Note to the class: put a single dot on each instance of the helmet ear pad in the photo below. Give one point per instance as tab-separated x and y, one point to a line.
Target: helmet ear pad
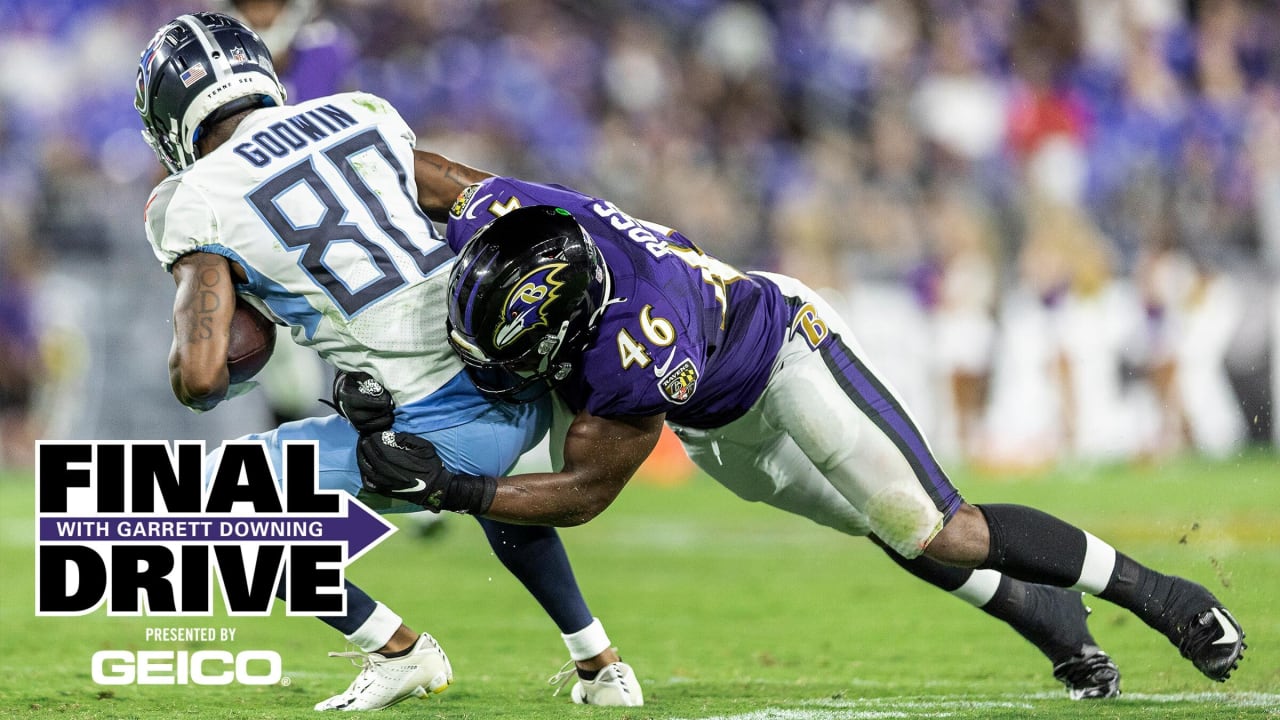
524	296
194	66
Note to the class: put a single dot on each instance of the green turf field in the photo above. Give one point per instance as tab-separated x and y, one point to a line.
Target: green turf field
727	610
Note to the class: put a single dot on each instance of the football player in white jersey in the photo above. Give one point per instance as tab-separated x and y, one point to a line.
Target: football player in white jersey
309	213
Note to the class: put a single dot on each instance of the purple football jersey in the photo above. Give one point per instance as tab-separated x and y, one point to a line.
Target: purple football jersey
684	334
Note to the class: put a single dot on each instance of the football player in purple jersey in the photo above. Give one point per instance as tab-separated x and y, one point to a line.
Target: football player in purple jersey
633	325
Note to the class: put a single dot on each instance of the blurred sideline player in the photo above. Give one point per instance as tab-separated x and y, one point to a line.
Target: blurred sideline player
312	54
309	213
633	325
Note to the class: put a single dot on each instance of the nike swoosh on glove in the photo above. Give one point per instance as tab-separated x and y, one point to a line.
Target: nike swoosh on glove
407	467
402	466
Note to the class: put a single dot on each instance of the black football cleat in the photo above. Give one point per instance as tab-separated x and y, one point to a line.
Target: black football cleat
1214	643
1089	675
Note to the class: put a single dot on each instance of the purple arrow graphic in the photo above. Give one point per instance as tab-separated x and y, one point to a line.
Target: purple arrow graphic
363	529
358	527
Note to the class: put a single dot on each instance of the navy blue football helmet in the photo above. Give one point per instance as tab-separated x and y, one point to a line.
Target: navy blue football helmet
525	296
197	70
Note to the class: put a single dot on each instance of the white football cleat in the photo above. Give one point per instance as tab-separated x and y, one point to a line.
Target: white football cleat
614	685
384	681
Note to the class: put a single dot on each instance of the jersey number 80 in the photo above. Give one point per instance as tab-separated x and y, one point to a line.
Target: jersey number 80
330	228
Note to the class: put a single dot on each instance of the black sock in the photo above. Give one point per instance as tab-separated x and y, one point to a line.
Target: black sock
1036	547
399	653
1165	602
1052	619
1033	546
587	675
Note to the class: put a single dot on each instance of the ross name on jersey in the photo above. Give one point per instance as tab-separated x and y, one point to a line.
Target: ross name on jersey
636	231
294	133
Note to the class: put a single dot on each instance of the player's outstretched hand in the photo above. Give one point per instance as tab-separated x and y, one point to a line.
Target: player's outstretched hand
407	467
363	401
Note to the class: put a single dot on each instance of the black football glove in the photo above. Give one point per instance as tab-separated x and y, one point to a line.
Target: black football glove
406	467
363	401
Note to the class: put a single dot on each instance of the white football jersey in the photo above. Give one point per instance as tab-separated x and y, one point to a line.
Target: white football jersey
317	202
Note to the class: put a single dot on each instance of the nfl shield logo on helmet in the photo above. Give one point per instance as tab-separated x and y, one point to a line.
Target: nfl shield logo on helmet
679	384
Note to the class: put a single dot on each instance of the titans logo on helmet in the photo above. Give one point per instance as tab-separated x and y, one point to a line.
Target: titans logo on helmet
143	102
526	306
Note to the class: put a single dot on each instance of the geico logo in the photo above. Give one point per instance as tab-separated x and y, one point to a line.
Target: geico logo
203	667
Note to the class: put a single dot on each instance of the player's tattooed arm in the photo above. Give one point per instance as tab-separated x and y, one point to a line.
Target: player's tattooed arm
600	456
202	310
439	181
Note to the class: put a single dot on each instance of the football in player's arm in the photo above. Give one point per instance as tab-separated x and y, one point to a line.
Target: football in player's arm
632	325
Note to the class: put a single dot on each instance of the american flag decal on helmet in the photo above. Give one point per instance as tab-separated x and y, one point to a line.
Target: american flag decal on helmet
192	74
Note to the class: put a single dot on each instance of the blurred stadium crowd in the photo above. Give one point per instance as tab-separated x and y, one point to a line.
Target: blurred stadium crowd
1055	224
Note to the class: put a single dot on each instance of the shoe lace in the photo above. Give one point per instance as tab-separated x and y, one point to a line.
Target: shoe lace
359	658
566	673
